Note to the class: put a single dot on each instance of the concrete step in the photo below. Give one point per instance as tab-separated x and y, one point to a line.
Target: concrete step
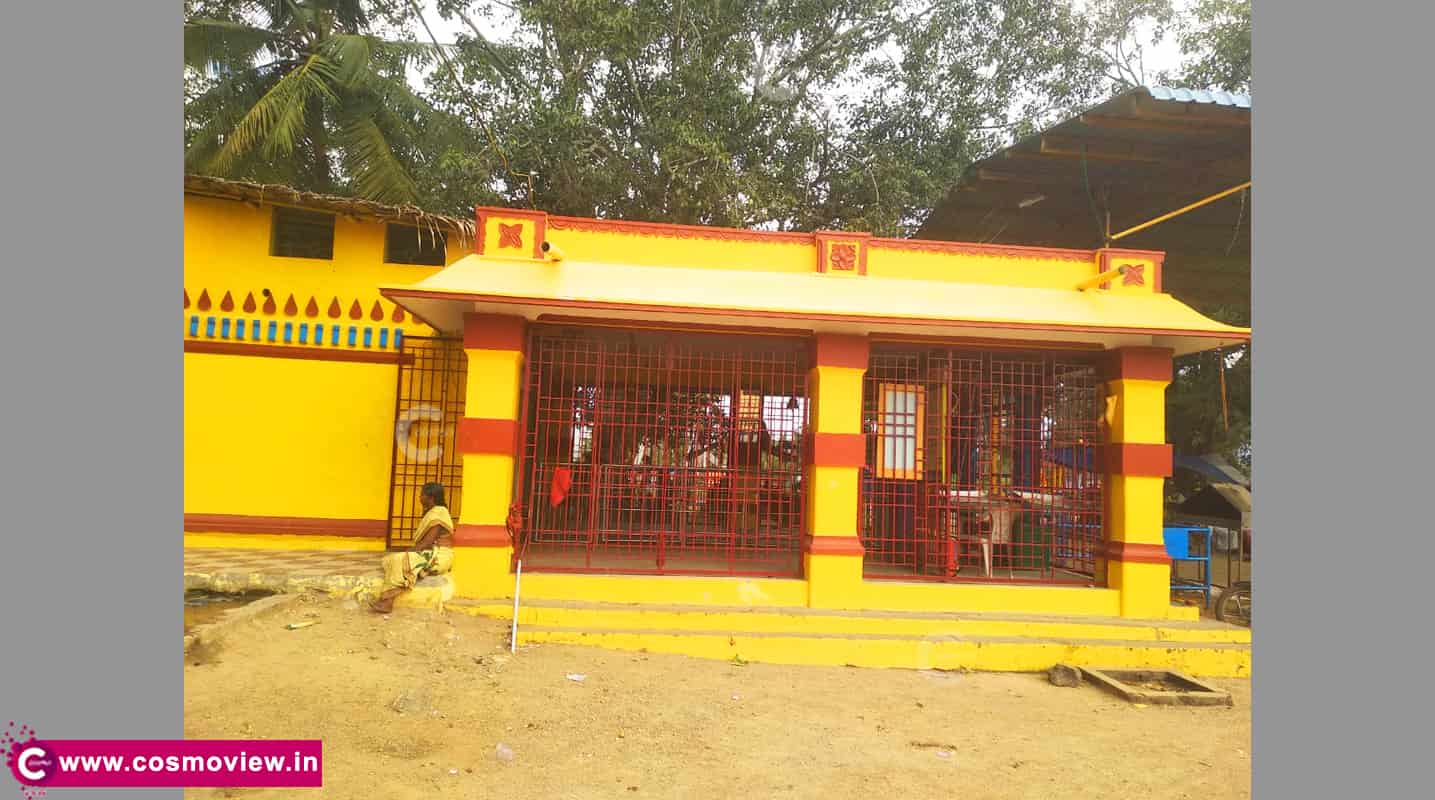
913	640
612	616
947	652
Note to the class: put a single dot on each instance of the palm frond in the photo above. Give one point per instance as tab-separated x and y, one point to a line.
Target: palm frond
376	172
350	55
276	122
214	45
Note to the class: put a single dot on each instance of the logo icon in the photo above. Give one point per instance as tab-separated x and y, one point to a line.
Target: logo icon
30	760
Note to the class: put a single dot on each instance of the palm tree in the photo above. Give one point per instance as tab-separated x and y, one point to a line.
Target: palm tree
300	92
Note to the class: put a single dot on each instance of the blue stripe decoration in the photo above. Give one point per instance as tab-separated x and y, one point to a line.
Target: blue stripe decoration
219	327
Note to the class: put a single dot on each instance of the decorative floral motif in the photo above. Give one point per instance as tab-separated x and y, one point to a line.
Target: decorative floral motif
1135	275
844	257
510	235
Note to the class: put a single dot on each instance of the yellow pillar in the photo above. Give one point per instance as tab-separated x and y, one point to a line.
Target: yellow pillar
832	550
488	439
1137	463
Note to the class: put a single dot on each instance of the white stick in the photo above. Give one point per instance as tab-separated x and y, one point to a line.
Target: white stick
513	635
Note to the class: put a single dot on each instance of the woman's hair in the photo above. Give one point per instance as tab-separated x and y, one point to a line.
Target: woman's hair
434	491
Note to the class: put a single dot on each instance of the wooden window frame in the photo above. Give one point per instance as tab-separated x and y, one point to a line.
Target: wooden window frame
422	234
274	227
884	470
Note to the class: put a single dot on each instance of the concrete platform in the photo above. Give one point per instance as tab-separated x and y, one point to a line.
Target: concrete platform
911	640
334	572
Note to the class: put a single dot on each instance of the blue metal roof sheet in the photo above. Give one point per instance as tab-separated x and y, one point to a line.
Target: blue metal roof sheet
1178	95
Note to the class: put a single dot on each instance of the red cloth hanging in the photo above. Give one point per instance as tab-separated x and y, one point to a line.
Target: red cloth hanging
562	482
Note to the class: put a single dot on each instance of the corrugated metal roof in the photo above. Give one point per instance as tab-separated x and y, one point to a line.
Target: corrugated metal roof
1178	95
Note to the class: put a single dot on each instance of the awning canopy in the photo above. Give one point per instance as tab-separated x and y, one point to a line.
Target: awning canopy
1141	154
812	302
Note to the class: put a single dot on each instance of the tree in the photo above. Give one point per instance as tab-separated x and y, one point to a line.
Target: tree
303	92
793	116
1216	40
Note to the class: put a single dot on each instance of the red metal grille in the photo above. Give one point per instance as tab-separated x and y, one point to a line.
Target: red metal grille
656	451
981	466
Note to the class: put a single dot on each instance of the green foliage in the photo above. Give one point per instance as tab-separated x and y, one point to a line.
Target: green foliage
850	114
1216	40
285	90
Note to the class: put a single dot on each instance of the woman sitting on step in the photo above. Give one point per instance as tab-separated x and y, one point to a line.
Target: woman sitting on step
431	554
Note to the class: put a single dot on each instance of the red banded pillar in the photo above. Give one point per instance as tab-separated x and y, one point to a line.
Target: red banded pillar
1137	464
488	439
832	549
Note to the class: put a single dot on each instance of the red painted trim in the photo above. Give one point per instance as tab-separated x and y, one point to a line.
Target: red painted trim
538	218
481	536
1133	553
973	249
490	436
833	546
1138	460
836	350
871	319
494	332
287	351
825	241
296	526
671	231
1157	258
839	450
1141	363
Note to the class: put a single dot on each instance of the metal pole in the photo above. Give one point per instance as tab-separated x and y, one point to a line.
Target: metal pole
1178	212
513	632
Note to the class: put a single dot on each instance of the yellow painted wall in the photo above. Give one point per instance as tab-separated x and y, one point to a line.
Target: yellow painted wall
226	249
1034	271
692	252
287	437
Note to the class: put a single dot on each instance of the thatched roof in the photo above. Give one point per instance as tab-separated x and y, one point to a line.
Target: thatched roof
277	194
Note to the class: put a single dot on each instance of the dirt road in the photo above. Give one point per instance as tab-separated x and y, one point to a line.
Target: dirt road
659	726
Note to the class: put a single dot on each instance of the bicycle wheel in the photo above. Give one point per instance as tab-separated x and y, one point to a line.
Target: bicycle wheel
1235	604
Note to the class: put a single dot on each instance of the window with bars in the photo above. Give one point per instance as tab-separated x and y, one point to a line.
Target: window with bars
409	244
302	234
655	451
981	465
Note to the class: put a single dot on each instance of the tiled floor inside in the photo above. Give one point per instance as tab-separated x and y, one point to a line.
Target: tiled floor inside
297	563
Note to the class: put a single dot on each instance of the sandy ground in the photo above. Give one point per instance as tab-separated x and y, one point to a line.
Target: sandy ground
643	725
